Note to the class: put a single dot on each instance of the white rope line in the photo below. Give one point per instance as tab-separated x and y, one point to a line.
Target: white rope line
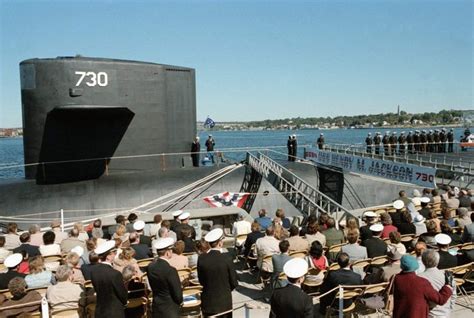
192	191
209	177
223	150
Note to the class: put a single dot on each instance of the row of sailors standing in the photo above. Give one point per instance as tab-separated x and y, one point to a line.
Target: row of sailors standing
437	141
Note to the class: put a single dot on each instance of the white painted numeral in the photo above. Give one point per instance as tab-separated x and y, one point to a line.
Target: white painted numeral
92	78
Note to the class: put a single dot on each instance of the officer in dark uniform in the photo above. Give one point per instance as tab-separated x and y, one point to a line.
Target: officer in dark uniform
377	141
320	141
164	282
416	141
423	141
442	141
386	143
195	149
294	144
369	142
393	143
289	145
429	140
401	143
217	276
450	140
410	142
436	141
108	284
291	301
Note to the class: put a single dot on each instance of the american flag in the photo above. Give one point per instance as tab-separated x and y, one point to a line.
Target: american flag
227	199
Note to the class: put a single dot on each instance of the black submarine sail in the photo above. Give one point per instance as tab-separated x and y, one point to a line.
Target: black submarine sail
79	112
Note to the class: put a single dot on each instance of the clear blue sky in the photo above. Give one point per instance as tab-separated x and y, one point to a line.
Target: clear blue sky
262	59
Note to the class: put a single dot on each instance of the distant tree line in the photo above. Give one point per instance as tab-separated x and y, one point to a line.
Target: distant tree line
444	117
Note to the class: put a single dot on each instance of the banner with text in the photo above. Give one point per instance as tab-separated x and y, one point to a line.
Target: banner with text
396	171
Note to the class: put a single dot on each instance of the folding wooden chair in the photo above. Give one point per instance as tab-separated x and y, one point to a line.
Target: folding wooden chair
379	260
299	254
349	293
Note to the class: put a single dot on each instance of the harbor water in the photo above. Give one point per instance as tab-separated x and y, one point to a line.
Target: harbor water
11	149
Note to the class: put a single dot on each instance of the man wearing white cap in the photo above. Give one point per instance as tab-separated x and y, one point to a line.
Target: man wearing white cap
175	222
108	283
12	262
446	260
369	218
184	224
217	276
375	246
139	226
320	141
425	210
164	281
420	225
291	301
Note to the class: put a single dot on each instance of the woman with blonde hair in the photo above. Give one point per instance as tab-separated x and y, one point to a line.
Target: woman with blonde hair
279	232
121	233
39	276
351	225
126	258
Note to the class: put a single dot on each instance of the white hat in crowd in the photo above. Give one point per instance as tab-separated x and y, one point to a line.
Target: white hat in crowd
184	216
13	260
163	243
425	200
419	218
214	235
139	225
105	247
416	201
376	227
442	239
398	204
79	250
177	213
416	193
370	214
295	268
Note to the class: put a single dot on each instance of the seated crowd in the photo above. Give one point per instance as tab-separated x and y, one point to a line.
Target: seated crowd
425	225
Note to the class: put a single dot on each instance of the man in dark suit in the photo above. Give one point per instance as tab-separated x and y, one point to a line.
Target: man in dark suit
446	260
31	250
291	301
342	276
142	251
217	276
252	238
375	246
164	282
12	262
108	284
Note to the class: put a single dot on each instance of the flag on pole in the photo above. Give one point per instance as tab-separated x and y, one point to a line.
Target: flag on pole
227	199
209	122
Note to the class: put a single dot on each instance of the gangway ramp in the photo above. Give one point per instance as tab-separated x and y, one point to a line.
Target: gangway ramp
304	197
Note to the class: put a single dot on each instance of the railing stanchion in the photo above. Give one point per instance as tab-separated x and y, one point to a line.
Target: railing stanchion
341	302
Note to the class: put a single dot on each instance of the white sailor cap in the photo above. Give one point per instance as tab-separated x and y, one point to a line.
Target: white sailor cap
214	235
177	213
369	134
295	268
442	239
425	200
105	247
184	216
13	260
376	227
163	243
402	133
394	132
370	214
419	218
321	134
416	201
79	250
139	225
398	204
